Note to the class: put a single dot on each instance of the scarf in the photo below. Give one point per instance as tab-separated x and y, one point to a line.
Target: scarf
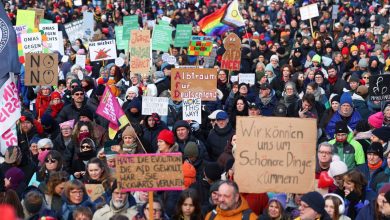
131	148
332	80
290	99
317	94
375	166
266	100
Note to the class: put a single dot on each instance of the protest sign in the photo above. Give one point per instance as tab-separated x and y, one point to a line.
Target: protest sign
183	35
335	10
88	23
192	110
120	43
210	60
248	78
22	29
51	32
149	172
231	59
9	105
9	138
102	50
26	17
45	21
309	11
140	51
151	24
60	43
39	14
75	30
379	89
194	83
162	38
279	152
94	191
41	69
200	46
31	42
129	23
234	79
80	60
157	105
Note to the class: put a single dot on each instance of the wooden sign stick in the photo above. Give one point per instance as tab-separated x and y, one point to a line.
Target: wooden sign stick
311	28
151	212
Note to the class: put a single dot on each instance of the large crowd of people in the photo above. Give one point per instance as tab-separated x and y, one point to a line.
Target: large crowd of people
318	68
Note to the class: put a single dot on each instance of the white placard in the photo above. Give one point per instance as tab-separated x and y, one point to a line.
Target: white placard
119	61
309	11
51	32
61	43
80	60
335	10
157	105
171	60
248	78
192	109
32	42
166	19
102	50
234	79
88	23
22	29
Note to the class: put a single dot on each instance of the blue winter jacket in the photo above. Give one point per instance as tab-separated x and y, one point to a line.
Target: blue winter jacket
330	128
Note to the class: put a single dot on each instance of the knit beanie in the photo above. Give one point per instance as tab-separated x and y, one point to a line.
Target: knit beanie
189	173
385	188
215	186
335	98
167	136
346	98
133	89
191	150
281	198
55	95
362	126
341	127
34	140
33	202
315	201
181	123
212	171
15	175
129	131
382	133
42	155
316	58
376	120
363	63
311	54
274	57
345	51
354	48
269	68
375	148
69	123
337	167
77	89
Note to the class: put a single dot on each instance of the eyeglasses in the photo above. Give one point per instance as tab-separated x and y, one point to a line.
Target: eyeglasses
85	146
52	160
78	94
366	77
154	210
80	192
325	152
45	148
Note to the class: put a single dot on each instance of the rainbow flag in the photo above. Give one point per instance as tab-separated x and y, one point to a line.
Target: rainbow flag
212	25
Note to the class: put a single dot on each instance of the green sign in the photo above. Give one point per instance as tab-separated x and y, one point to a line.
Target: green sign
129	23
183	35
162	38
120	43
45	21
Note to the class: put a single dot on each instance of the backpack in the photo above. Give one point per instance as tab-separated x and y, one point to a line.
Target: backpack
245	214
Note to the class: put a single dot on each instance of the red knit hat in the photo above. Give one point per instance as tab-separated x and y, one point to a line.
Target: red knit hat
55	95
345	51
167	136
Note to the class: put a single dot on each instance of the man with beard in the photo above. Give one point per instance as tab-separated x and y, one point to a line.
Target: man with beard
121	204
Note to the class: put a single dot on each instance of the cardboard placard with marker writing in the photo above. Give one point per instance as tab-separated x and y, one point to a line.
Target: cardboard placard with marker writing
278	153
41	69
149	172
231	59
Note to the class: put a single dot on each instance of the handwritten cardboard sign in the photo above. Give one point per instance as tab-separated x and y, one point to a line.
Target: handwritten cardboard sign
192	110
309	11
149	172
279	153
248	78
231	59
31	42
157	105
102	50
41	69
140	51
379	89
194	83
200	46
94	191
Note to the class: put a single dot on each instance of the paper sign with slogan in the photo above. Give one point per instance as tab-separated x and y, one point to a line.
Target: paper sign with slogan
94	191
194	83
309	11
129	23
80	60
31	42
248	78
51	32
379	89
149	172
120	43
88	23
231	59
26	17
192	110
102	50
162	38
183	35
279	152
41	69
140	51
157	105
200	46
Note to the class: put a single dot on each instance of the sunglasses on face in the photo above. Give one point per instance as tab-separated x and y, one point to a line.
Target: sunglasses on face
44	149
50	160
79	94
85	146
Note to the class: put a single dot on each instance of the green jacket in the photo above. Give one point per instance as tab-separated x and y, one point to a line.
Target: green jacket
351	151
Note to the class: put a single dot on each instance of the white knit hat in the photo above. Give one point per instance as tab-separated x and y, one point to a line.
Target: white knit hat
337	167
133	89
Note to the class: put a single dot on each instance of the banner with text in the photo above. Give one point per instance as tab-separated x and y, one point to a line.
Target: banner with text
279	152
41	69
194	83
140	51
157	105
379	89
31	42
149	172
102	50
